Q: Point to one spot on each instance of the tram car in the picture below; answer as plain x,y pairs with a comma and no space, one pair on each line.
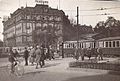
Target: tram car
70,46
110,46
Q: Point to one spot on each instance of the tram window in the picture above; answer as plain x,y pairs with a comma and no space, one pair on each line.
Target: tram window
117,43
113,43
106,44
69,46
94,44
73,45
109,44
80,45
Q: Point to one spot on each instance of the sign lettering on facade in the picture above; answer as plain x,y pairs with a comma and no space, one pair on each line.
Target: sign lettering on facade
41,1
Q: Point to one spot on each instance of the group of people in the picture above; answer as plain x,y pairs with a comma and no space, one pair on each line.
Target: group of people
89,52
36,54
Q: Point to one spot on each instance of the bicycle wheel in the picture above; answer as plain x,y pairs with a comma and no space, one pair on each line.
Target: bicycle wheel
8,69
19,70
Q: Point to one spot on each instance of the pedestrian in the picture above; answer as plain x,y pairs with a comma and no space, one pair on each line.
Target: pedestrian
89,53
26,55
76,53
47,53
82,53
38,57
42,58
32,55
100,54
51,54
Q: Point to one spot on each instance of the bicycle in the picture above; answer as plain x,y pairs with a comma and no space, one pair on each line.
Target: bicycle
18,70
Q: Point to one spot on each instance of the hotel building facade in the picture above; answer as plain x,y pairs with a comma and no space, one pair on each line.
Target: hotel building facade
35,25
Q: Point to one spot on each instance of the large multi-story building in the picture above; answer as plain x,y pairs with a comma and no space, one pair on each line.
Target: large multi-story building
39,24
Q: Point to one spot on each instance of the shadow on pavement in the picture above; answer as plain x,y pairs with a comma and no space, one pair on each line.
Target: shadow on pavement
49,65
34,73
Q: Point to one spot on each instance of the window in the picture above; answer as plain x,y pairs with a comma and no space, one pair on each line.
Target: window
109,44
113,43
106,44
117,43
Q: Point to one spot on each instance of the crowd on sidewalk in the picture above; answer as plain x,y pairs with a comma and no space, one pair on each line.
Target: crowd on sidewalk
34,55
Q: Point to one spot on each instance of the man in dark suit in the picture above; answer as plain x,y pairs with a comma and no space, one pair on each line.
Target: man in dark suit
26,55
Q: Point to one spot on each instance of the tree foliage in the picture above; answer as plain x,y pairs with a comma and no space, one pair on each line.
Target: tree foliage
111,27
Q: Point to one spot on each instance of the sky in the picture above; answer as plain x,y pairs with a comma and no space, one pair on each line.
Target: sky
89,12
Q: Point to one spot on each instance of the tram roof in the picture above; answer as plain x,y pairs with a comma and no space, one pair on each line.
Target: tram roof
79,41
111,38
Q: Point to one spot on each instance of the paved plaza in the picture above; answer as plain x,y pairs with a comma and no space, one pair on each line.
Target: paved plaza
58,70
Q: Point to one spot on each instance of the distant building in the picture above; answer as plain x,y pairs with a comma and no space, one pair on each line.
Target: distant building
35,25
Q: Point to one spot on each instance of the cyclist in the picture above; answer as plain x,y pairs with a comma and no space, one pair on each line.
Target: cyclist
12,58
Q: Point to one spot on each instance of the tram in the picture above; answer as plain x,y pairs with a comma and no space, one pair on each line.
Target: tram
69,46
110,46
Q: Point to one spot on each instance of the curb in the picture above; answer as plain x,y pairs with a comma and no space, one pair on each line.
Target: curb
88,70
98,71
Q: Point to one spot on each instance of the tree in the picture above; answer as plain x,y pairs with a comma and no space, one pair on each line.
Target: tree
111,27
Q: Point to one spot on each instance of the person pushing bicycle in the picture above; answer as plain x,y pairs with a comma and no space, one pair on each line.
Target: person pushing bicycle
13,58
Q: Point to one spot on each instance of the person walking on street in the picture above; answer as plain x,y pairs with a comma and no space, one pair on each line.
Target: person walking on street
32,55
100,54
82,53
26,55
38,57
89,53
42,58
76,53
51,53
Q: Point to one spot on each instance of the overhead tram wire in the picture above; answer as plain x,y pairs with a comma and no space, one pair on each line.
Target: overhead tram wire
94,9
101,14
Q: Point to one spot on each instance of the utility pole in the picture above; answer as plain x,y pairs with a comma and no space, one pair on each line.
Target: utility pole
77,26
77,47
